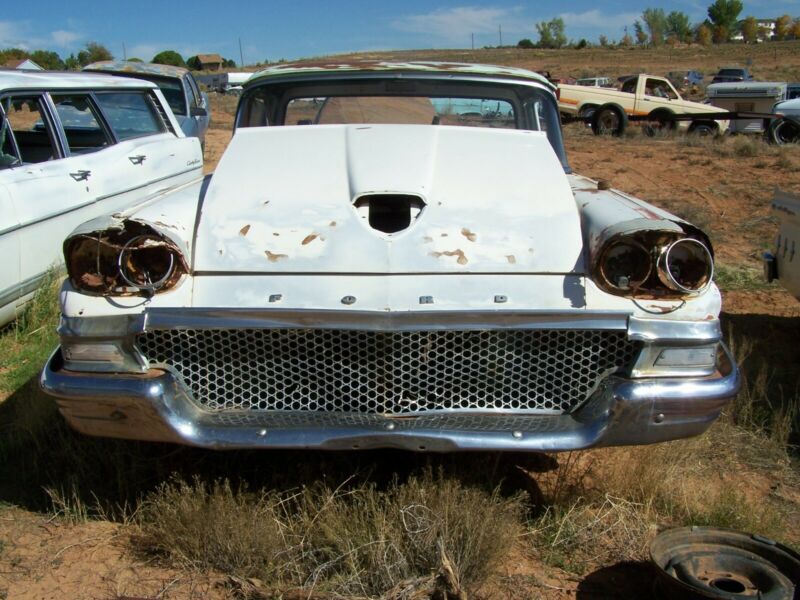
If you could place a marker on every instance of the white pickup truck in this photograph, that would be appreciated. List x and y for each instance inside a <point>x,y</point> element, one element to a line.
<point>639,95</point>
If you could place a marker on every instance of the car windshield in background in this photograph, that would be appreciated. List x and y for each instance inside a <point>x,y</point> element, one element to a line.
<point>731,72</point>
<point>469,112</point>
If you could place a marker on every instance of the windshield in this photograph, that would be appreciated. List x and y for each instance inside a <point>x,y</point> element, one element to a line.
<point>388,100</point>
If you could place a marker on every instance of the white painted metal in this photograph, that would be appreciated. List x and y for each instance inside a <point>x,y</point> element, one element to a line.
<point>9,251</point>
<point>282,202</point>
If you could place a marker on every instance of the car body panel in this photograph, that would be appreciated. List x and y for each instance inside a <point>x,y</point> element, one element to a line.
<point>786,207</point>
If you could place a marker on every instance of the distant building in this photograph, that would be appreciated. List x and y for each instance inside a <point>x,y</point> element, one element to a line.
<point>765,28</point>
<point>22,64</point>
<point>210,62</point>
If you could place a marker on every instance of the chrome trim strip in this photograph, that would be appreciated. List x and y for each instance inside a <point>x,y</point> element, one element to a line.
<point>21,289</point>
<point>227,318</point>
<point>159,180</point>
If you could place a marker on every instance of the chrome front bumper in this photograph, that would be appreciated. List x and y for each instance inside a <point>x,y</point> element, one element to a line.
<point>154,406</point>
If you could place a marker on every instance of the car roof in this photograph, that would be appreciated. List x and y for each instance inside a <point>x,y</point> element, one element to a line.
<point>14,79</point>
<point>125,66</point>
<point>380,66</point>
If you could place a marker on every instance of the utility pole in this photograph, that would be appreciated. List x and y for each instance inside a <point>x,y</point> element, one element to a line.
<point>500,33</point>
<point>241,55</point>
<point>473,40</point>
<point>124,52</point>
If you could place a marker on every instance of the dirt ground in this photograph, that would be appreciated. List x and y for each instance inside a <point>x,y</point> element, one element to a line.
<point>725,192</point>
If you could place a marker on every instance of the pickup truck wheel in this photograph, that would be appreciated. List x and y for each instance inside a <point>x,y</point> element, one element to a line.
<point>702,129</point>
<point>784,131</point>
<point>609,119</point>
<point>586,113</point>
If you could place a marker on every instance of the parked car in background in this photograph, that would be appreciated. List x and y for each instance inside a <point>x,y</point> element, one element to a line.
<point>685,79</point>
<point>785,128</point>
<point>72,147</point>
<point>594,82</point>
<point>392,255</point>
<point>784,263</point>
<point>637,95</point>
<point>792,91</point>
<point>189,105</point>
<point>732,74</point>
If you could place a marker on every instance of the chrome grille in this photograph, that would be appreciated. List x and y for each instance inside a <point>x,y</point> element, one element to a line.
<point>400,372</point>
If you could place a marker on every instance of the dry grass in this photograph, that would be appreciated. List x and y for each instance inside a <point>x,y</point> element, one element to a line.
<point>353,541</point>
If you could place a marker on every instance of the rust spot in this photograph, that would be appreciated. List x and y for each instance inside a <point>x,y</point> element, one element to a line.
<point>243,231</point>
<point>275,233</point>
<point>468,234</point>
<point>220,251</point>
<point>332,224</point>
<point>427,239</point>
<point>273,257</point>
<point>444,235</point>
<point>162,224</point>
<point>462,260</point>
<point>511,259</point>
<point>309,238</point>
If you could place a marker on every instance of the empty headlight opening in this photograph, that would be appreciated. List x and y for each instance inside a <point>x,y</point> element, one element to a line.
<point>131,260</point>
<point>654,265</point>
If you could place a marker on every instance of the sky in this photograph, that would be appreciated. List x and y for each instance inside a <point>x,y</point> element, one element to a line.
<point>294,29</point>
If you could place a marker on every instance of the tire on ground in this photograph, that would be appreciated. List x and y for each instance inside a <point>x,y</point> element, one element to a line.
<point>609,119</point>
<point>704,128</point>
<point>659,120</point>
<point>784,131</point>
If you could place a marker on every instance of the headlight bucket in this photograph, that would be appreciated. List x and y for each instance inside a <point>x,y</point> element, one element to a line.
<point>686,266</point>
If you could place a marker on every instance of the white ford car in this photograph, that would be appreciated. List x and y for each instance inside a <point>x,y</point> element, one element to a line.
<point>392,255</point>
<point>72,147</point>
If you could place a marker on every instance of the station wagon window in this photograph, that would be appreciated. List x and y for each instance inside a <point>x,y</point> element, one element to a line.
<point>25,134</point>
<point>173,92</point>
<point>465,112</point>
<point>130,114</point>
<point>81,123</point>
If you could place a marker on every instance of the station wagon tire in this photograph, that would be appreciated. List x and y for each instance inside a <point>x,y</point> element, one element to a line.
<point>609,119</point>
<point>703,129</point>
<point>659,121</point>
<point>784,131</point>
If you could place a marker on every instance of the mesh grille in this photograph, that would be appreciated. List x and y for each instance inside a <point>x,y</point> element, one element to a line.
<point>401,372</point>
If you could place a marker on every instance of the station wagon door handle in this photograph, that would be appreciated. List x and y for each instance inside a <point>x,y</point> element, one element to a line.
<point>80,175</point>
<point>137,160</point>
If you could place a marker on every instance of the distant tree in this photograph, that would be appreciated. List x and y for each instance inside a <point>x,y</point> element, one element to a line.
<point>627,40</point>
<point>678,25</point>
<point>525,43</point>
<point>194,63</point>
<point>723,15</point>
<point>134,59</point>
<point>656,22</point>
<point>582,43</point>
<point>603,41</point>
<point>94,52</point>
<point>169,57</point>
<point>551,33</point>
<point>750,30</point>
<point>795,31</point>
<point>782,26</point>
<point>764,33</point>
<point>641,36</point>
<point>12,54</point>
<point>703,34</point>
<point>720,34</point>
<point>227,63</point>
<point>71,63</point>
<point>47,59</point>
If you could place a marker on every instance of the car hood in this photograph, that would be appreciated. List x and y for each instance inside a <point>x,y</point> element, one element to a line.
<point>285,200</point>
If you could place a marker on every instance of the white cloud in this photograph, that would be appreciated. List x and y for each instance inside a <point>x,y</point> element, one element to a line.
<point>598,20</point>
<point>456,24</point>
<point>13,35</point>
<point>64,38</point>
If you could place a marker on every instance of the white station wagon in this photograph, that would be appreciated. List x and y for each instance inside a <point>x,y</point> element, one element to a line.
<point>72,147</point>
<point>392,254</point>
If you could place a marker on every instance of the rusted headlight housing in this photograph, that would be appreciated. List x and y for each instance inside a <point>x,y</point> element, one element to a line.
<point>654,264</point>
<point>625,265</point>
<point>130,260</point>
<point>685,266</point>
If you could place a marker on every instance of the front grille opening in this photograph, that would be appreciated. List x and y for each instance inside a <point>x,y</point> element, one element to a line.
<point>408,372</point>
<point>389,213</point>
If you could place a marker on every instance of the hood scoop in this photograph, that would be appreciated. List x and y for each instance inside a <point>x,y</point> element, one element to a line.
<point>389,213</point>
